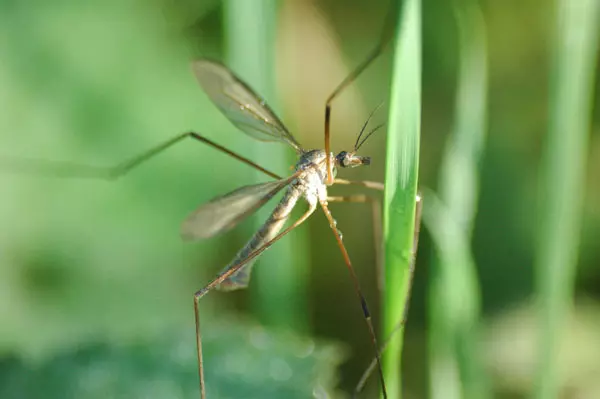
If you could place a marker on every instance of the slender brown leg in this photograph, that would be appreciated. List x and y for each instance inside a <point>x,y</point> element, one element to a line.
<point>385,38</point>
<point>375,185</point>
<point>68,169</point>
<point>223,276</point>
<point>361,297</point>
<point>400,325</point>
<point>377,228</point>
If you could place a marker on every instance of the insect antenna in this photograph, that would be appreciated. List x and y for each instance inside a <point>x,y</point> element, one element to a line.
<point>356,147</point>
<point>362,130</point>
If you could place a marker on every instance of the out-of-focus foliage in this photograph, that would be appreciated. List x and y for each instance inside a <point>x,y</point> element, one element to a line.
<point>574,57</point>
<point>512,338</point>
<point>455,367</point>
<point>85,262</point>
<point>242,361</point>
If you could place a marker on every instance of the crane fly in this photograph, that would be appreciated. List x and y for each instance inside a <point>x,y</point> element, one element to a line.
<point>314,171</point>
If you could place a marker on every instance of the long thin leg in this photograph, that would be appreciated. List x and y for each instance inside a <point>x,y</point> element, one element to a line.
<point>223,276</point>
<point>377,228</point>
<point>386,36</point>
<point>375,185</point>
<point>400,325</point>
<point>361,297</point>
<point>68,169</point>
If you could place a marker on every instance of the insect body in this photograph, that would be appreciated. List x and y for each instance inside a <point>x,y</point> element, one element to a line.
<point>309,184</point>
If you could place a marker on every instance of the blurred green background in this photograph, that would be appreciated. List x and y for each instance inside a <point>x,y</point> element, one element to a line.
<point>95,281</point>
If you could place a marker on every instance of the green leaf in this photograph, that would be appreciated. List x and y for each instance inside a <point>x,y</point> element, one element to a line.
<point>454,293</point>
<point>562,177</point>
<point>401,183</point>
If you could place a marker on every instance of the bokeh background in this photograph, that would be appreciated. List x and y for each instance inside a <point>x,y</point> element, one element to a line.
<point>95,283</point>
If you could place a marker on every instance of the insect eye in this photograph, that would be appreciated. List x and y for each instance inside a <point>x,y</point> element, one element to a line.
<point>341,159</point>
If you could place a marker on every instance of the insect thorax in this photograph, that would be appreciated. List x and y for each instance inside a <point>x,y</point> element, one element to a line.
<point>315,174</point>
<point>315,160</point>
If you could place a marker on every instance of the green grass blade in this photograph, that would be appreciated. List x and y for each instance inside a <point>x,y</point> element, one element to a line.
<point>401,179</point>
<point>456,372</point>
<point>562,177</point>
<point>279,283</point>
<point>454,297</point>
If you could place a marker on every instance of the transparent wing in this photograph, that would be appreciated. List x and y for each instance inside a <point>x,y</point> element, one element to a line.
<point>240,104</point>
<point>223,213</point>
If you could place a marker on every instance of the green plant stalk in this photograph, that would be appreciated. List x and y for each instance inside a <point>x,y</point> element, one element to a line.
<point>454,295</point>
<point>455,316</point>
<point>401,180</point>
<point>279,280</point>
<point>562,178</point>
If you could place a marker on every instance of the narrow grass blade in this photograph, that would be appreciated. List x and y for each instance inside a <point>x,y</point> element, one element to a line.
<point>457,372</point>
<point>279,278</point>
<point>401,179</point>
<point>454,297</point>
<point>562,177</point>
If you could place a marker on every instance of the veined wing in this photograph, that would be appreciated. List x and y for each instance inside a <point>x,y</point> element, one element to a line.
<point>223,213</point>
<point>240,104</point>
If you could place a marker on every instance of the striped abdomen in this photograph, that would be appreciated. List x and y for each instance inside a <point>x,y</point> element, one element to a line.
<point>267,232</point>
